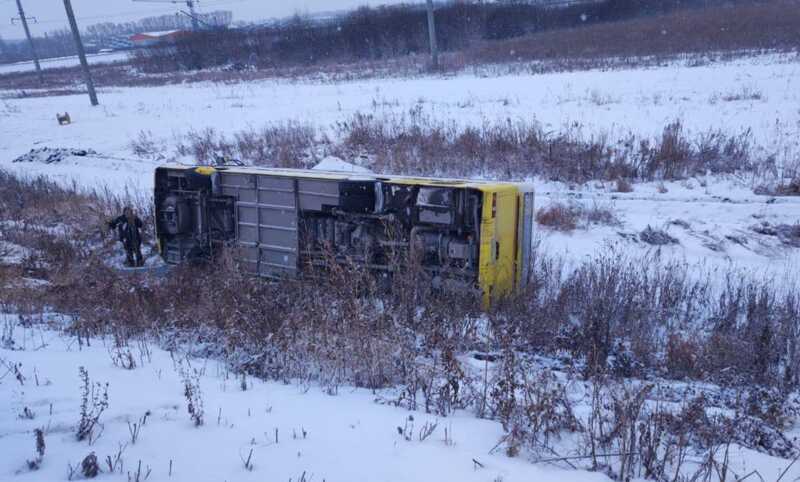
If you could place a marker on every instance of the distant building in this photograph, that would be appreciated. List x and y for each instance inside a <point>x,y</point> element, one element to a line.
<point>145,39</point>
<point>119,42</point>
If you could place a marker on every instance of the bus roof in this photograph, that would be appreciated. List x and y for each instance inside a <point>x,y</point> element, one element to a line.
<point>355,176</point>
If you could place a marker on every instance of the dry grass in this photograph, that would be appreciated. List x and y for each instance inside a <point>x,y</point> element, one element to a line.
<point>782,187</point>
<point>742,26</point>
<point>289,144</point>
<point>616,316</point>
<point>145,145</point>
<point>417,144</point>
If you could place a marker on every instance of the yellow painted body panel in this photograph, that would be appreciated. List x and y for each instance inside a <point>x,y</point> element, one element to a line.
<point>498,249</point>
<point>205,170</point>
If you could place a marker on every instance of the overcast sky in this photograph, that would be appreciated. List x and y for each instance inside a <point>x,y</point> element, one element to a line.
<point>50,13</point>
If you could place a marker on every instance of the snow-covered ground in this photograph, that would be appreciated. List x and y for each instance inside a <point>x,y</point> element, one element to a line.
<point>344,437</point>
<point>713,225</point>
<point>760,93</point>
<point>757,93</point>
<point>103,58</point>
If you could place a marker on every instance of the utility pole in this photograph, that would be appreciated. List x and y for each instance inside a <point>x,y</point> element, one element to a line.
<point>193,14</point>
<point>432,37</point>
<point>24,21</point>
<point>76,34</point>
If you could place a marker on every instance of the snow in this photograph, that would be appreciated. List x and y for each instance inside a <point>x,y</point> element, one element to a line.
<point>11,253</point>
<point>349,437</point>
<point>713,225</point>
<point>332,163</point>
<point>346,436</point>
<point>99,58</point>
<point>611,103</point>
<point>160,33</point>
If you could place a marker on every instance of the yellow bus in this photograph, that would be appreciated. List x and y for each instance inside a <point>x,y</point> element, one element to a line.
<point>467,234</point>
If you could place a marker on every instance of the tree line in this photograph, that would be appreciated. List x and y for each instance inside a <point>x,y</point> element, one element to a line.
<point>374,33</point>
<point>367,33</point>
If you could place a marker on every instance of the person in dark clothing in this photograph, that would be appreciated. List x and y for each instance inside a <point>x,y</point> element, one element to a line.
<point>128,229</point>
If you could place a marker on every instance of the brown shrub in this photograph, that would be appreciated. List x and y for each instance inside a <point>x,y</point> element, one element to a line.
<point>600,213</point>
<point>657,237</point>
<point>623,185</point>
<point>566,217</point>
<point>558,216</point>
<point>145,145</point>
<point>682,356</point>
<point>290,144</point>
<point>790,188</point>
<point>419,144</point>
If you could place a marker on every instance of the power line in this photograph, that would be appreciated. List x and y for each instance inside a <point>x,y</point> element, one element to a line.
<point>142,13</point>
<point>116,15</point>
<point>133,12</point>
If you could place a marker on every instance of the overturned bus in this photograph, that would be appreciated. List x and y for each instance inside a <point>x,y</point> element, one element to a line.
<point>474,235</point>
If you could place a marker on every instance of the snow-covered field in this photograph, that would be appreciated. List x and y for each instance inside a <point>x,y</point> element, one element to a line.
<point>104,58</point>
<point>346,437</point>
<point>758,93</point>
